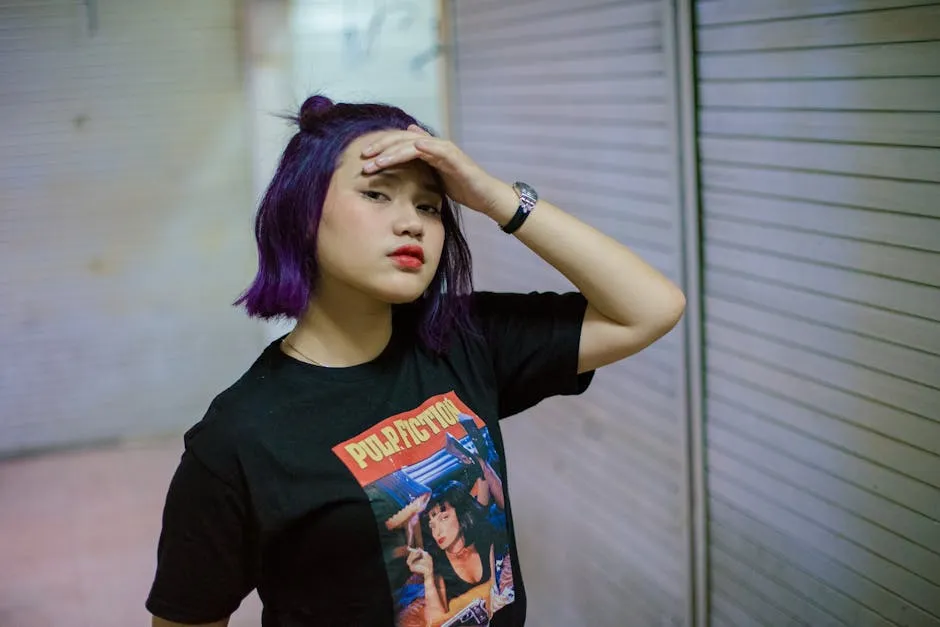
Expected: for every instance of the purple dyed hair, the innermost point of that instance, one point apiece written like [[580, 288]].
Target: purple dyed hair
[[289, 216]]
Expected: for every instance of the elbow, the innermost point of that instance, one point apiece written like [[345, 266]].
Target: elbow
[[660, 321], [678, 306], [671, 312]]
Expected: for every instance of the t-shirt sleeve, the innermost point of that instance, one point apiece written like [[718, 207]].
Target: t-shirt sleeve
[[203, 555], [534, 340]]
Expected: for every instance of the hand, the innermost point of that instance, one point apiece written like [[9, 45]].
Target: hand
[[465, 182], [420, 562], [499, 600]]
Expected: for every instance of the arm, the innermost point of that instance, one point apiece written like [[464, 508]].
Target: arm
[[203, 572], [420, 562], [442, 605], [159, 622], [630, 304]]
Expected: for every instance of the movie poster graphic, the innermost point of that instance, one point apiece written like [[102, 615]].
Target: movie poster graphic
[[431, 477]]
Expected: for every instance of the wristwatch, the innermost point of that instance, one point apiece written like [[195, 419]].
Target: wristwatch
[[528, 197]]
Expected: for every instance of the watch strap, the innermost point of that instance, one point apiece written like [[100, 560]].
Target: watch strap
[[528, 198]]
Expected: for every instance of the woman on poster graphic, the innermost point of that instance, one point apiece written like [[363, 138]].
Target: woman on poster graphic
[[460, 542], [460, 550], [355, 474]]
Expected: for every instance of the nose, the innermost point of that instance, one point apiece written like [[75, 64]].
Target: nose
[[408, 221]]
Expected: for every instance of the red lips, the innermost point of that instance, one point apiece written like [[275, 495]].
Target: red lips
[[410, 251], [409, 258]]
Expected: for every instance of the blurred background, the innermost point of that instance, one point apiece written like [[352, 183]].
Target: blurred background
[[773, 461]]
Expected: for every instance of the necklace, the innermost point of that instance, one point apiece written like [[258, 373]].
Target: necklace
[[299, 352]]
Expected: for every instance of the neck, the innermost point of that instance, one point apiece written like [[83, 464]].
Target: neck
[[457, 549], [342, 332]]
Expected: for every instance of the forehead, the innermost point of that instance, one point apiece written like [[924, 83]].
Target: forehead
[[351, 162], [440, 507]]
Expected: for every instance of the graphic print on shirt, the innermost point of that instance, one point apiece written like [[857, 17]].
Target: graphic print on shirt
[[431, 477]]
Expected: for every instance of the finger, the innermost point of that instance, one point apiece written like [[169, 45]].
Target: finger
[[418, 129], [440, 154], [387, 139], [389, 148], [435, 147], [396, 155]]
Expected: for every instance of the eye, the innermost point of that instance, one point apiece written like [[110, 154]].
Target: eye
[[374, 195], [433, 210]]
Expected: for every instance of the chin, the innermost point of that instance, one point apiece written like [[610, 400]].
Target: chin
[[401, 294], [401, 299]]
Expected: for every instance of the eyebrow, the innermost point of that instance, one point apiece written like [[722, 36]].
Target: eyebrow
[[391, 176]]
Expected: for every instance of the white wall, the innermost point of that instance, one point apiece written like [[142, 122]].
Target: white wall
[[370, 50], [269, 45], [124, 215]]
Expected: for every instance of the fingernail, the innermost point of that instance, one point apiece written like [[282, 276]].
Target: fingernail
[[382, 160], [369, 166], [367, 149]]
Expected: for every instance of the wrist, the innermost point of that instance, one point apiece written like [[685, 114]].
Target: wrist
[[503, 204]]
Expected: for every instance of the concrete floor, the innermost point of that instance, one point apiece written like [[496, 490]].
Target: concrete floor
[[78, 533]]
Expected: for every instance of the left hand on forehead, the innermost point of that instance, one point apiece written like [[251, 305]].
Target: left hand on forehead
[[465, 182]]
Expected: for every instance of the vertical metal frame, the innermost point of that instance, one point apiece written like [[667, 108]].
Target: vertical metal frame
[[679, 48]]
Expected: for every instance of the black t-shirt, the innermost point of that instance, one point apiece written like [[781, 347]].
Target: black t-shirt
[[373, 495]]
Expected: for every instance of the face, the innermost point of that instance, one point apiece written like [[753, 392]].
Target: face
[[380, 234], [442, 520]]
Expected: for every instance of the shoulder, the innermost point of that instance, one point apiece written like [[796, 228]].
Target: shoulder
[[501, 317], [507, 310], [484, 303], [234, 416]]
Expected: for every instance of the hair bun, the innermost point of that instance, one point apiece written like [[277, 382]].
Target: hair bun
[[311, 110]]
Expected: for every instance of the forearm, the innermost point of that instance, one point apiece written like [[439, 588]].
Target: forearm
[[614, 280], [434, 606]]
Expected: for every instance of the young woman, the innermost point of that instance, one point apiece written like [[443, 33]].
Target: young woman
[[459, 554], [308, 478]]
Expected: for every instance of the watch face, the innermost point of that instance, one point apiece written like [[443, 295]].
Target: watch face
[[526, 191]]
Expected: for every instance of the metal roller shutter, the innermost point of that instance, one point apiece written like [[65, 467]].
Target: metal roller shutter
[[126, 212], [819, 132], [576, 99]]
